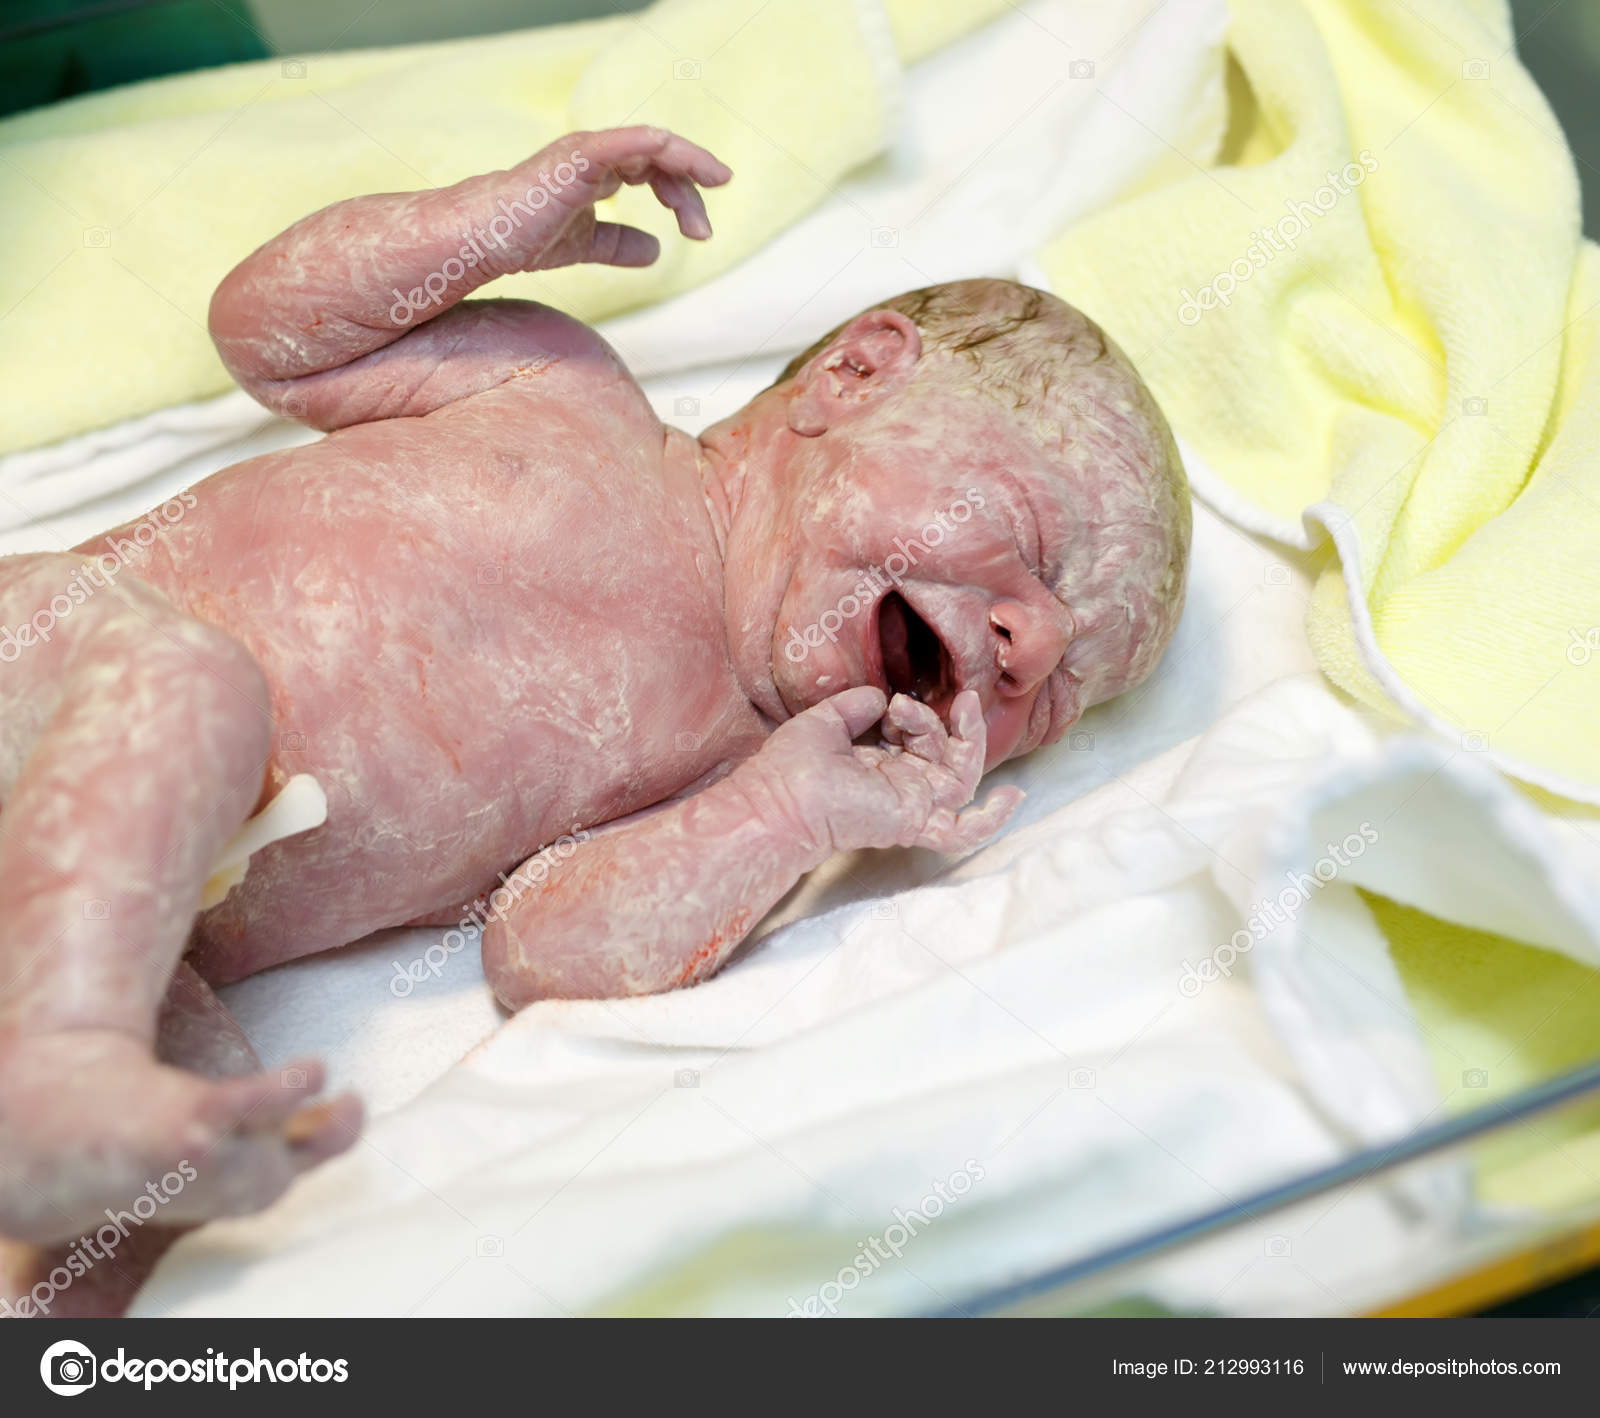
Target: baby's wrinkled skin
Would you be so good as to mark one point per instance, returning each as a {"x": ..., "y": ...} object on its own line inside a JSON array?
[{"x": 499, "y": 602}]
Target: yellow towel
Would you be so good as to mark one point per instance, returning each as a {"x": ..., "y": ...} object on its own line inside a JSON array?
[
  {"x": 124, "y": 209},
  {"x": 1378, "y": 301},
  {"x": 1498, "y": 1017},
  {"x": 1375, "y": 311}
]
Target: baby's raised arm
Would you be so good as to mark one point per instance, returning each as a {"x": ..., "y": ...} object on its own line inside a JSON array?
[
  {"x": 663, "y": 901},
  {"x": 354, "y": 313}
]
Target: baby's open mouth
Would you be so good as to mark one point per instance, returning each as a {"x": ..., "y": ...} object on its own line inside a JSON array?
[{"x": 915, "y": 661}]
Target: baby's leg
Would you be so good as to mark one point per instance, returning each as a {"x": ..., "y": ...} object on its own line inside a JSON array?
[{"x": 135, "y": 740}]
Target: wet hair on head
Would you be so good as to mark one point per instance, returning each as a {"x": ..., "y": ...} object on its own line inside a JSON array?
[{"x": 1019, "y": 343}]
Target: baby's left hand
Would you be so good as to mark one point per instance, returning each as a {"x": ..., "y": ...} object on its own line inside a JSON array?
[
  {"x": 567, "y": 230},
  {"x": 913, "y": 790}
]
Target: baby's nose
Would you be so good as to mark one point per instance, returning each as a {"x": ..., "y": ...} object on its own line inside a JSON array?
[{"x": 1029, "y": 643}]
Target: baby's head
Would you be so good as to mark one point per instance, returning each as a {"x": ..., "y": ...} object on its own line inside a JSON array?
[{"x": 967, "y": 486}]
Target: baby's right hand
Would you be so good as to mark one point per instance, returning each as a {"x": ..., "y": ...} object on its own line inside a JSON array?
[{"x": 839, "y": 795}]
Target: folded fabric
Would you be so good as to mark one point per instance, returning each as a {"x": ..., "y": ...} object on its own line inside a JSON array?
[
  {"x": 1376, "y": 318},
  {"x": 126, "y": 208},
  {"x": 1056, "y": 1042}
]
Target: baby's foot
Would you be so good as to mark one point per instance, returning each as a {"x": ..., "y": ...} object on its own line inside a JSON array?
[{"x": 91, "y": 1124}]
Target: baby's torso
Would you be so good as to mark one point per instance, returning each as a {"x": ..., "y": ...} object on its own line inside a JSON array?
[{"x": 481, "y": 630}]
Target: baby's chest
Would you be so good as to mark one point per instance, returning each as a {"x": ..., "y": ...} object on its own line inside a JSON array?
[{"x": 595, "y": 652}]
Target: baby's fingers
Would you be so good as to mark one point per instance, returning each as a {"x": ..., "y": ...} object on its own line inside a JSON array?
[
  {"x": 921, "y": 731},
  {"x": 968, "y": 741},
  {"x": 961, "y": 832},
  {"x": 854, "y": 710},
  {"x": 679, "y": 155},
  {"x": 634, "y": 153},
  {"x": 614, "y": 244},
  {"x": 682, "y": 197}
]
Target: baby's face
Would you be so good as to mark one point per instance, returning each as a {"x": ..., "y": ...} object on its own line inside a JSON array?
[{"x": 923, "y": 552}]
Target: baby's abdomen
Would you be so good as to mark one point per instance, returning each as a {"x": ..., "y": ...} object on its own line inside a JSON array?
[
  {"x": 428, "y": 797},
  {"x": 471, "y": 663}
]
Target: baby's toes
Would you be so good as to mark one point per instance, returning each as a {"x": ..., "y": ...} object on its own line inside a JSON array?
[
  {"x": 244, "y": 1172},
  {"x": 264, "y": 1131},
  {"x": 324, "y": 1129},
  {"x": 237, "y": 1175},
  {"x": 261, "y": 1102}
]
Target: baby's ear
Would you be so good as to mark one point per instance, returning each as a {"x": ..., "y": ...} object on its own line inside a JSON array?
[{"x": 872, "y": 356}]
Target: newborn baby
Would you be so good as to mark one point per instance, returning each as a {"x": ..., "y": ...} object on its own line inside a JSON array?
[{"x": 500, "y": 603}]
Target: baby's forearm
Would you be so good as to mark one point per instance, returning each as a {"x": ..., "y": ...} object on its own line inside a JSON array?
[
  {"x": 356, "y": 276},
  {"x": 353, "y": 278},
  {"x": 663, "y": 901},
  {"x": 654, "y": 905}
]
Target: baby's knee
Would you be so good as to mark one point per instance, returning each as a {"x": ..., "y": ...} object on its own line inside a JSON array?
[
  {"x": 64, "y": 615},
  {"x": 210, "y": 693},
  {"x": 42, "y": 596},
  {"x": 220, "y": 667},
  {"x": 128, "y": 667}
]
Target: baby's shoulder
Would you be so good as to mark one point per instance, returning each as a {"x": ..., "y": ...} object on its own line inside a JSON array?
[{"x": 562, "y": 370}]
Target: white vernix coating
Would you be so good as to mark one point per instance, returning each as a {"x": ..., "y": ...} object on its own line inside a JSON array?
[{"x": 501, "y": 603}]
